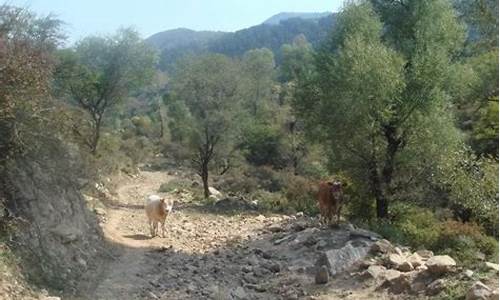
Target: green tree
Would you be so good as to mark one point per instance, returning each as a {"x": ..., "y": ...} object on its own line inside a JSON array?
[
  {"x": 209, "y": 87},
  {"x": 378, "y": 99},
  {"x": 258, "y": 66},
  {"x": 101, "y": 71},
  {"x": 27, "y": 45}
]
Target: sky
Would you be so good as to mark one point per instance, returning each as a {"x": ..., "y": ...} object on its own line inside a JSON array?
[{"x": 85, "y": 17}]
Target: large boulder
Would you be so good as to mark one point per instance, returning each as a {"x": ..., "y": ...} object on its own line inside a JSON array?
[
  {"x": 382, "y": 247},
  {"x": 376, "y": 271},
  {"x": 415, "y": 260},
  {"x": 479, "y": 291},
  {"x": 440, "y": 264},
  {"x": 337, "y": 260},
  {"x": 399, "y": 262},
  {"x": 436, "y": 287}
]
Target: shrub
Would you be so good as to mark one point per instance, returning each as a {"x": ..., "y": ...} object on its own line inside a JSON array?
[
  {"x": 270, "y": 201},
  {"x": 300, "y": 194},
  {"x": 175, "y": 183},
  {"x": 463, "y": 240},
  {"x": 262, "y": 145},
  {"x": 267, "y": 178}
]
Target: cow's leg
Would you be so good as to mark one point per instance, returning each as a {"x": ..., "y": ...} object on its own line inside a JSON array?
[
  {"x": 163, "y": 228},
  {"x": 151, "y": 231}
]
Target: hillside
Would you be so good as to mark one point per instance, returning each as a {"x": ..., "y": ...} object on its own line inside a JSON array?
[
  {"x": 277, "y": 18},
  {"x": 272, "y": 34}
]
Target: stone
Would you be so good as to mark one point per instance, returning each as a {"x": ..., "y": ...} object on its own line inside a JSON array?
[
  {"x": 250, "y": 278},
  {"x": 381, "y": 246},
  {"x": 366, "y": 263},
  {"x": 338, "y": 260},
  {"x": 395, "y": 260},
  {"x": 362, "y": 233},
  {"x": 390, "y": 275},
  {"x": 425, "y": 254},
  {"x": 406, "y": 266},
  {"x": 440, "y": 264},
  {"x": 397, "y": 283},
  {"x": 322, "y": 275},
  {"x": 398, "y": 251},
  {"x": 376, "y": 271},
  {"x": 299, "y": 226},
  {"x": 478, "y": 291},
  {"x": 436, "y": 287},
  {"x": 491, "y": 266},
  {"x": 415, "y": 260},
  {"x": 239, "y": 293},
  {"x": 480, "y": 256},
  {"x": 468, "y": 274},
  {"x": 213, "y": 191},
  {"x": 275, "y": 228}
]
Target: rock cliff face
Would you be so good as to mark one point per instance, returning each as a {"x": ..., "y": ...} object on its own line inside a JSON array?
[{"x": 54, "y": 234}]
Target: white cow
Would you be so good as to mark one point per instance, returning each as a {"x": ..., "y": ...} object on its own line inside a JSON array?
[{"x": 157, "y": 210}]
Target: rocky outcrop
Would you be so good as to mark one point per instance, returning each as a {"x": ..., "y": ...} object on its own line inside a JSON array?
[
  {"x": 440, "y": 264},
  {"x": 56, "y": 236}
]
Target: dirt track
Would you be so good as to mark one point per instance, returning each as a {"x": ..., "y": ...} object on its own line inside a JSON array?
[{"x": 211, "y": 255}]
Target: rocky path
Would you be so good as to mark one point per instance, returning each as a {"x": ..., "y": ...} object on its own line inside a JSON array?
[{"x": 210, "y": 253}]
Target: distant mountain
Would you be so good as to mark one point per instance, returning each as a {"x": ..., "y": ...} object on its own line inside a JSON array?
[
  {"x": 181, "y": 37},
  {"x": 176, "y": 43},
  {"x": 276, "y": 19}
]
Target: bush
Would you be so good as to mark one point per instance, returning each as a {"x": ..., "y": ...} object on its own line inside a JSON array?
[
  {"x": 300, "y": 194},
  {"x": 270, "y": 201},
  {"x": 463, "y": 240},
  {"x": 420, "y": 228},
  {"x": 262, "y": 145},
  {"x": 267, "y": 178},
  {"x": 175, "y": 183}
]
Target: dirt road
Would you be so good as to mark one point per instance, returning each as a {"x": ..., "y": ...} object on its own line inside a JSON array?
[{"x": 209, "y": 254}]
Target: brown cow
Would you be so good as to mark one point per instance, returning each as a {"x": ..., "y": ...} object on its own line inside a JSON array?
[{"x": 330, "y": 198}]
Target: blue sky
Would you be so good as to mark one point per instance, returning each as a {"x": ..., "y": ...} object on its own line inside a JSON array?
[{"x": 84, "y": 17}]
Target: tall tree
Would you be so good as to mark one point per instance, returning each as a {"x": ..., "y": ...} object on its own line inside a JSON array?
[
  {"x": 378, "y": 99},
  {"x": 209, "y": 87},
  {"x": 100, "y": 72},
  {"x": 27, "y": 45}
]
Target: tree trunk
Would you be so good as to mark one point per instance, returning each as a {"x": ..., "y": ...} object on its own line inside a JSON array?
[
  {"x": 377, "y": 191},
  {"x": 96, "y": 137},
  {"x": 204, "y": 178},
  {"x": 161, "y": 119}
]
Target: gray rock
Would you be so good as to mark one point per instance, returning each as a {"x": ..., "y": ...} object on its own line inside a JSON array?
[
  {"x": 436, "y": 287},
  {"x": 275, "y": 228},
  {"x": 415, "y": 260},
  {"x": 491, "y": 266},
  {"x": 376, "y": 271},
  {"x": 338, "y": 260},
  {"x": 478, "y": 291},
  {"x": 382, "y": 246},
  {"x": 468, "y": 274},
  {"x": 239, "y": 293},
  {"x": 322, "y": 275},
  {"x": 355, "y": 233},
  {"x": 440, "y": 264},
  {"x": 425, "y": 254}
]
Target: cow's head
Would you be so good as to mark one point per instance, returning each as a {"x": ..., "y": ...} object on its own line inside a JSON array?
[
  {"x": 336, "y": 186},
  {"x": 166, "y": 205}
]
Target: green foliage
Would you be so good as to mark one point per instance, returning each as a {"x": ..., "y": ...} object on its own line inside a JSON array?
[
  {"x": 174, "y": 184},
  {"x": 262, "y": 145},
  {"x": 471, "y": 183},
  {"x": 300, "y": 194},
  {"x": 100, "y": 72},
  {"x": 420, "y": 228},
  {"x": 270, "y": 201},
  {"x": 27, "y": 113},
  {"x": 379, "y": 95}
]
